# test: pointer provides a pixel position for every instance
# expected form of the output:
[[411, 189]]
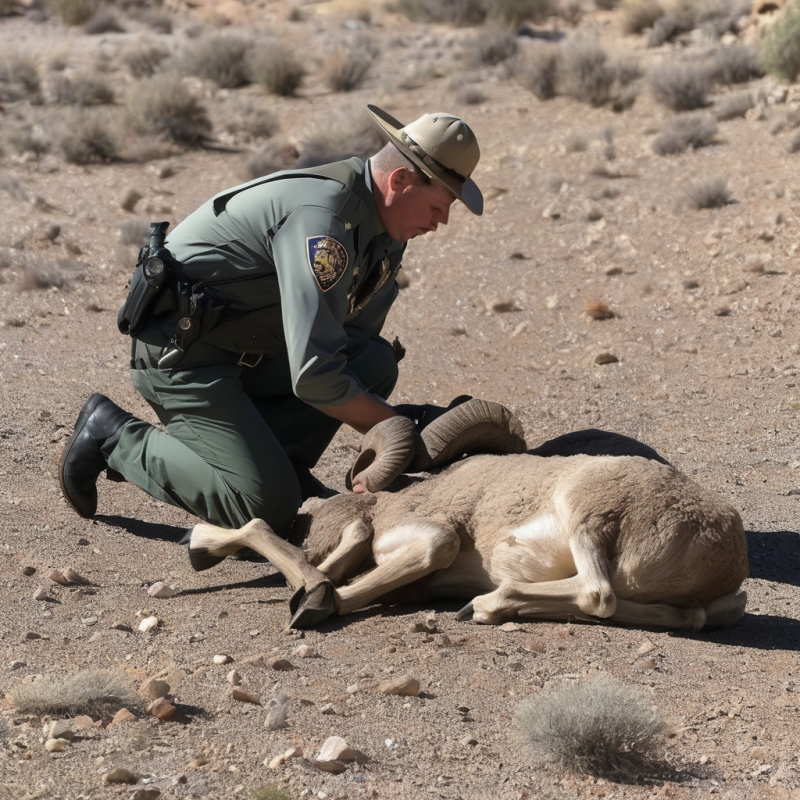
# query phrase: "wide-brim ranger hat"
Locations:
[[443, 147]]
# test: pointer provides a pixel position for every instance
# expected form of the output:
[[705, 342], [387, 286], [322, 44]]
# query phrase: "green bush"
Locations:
[[74, 12], [162, 106], [277, 70], [779, 48], [599, 727], [220, 59]]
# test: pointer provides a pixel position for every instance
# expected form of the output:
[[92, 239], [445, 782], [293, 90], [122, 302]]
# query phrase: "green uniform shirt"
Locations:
[[299, 255]]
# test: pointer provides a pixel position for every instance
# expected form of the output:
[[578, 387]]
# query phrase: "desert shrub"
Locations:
[[709, 193], [347, 69], [683, 132], [681, 86], [252, 119], [19, 78], [538, 69], [220, 59], [157, 19], [514, 12], [341, 139], [60, 274], [89, 138], [83, 90], [277, 70], [668, 28], [272, 158], [794, 144], [788, 122], [74, 12], [736, 63], [492, 46], [163, 106], [779, 48], [104, 21], [584, 72], [90, 692], [638, 15], [606, 5], [597, 727], [734, 105], [454, 12], [27, 138], [134, 232], [145, 60]]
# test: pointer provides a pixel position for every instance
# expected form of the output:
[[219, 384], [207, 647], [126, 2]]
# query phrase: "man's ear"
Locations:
[[399, 179]]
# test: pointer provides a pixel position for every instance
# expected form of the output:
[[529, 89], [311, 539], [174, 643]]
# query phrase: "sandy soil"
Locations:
[[706, 338]]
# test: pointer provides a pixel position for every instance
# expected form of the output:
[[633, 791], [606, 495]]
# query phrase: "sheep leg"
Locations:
[[659, 615], [348, 555], [403, 554]]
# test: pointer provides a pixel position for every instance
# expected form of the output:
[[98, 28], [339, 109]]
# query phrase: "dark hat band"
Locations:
[[428, 160]]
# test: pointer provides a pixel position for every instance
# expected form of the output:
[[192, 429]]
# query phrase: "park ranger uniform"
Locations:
[[304, 274]]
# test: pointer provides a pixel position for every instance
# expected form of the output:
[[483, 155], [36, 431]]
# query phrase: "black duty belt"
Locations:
[[250, 359]]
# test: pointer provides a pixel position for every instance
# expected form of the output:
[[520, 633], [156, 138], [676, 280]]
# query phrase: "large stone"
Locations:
[[403, 685], [153, 688], [161, 708], [336, 749], [120, 775], [56, 745], [58, 729], [160, 589], [244, 697], [123, 715]]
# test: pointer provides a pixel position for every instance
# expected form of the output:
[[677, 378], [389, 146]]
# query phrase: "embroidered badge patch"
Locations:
[[327, 259]]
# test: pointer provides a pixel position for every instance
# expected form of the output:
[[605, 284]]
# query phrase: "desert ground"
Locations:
[[593, 293]]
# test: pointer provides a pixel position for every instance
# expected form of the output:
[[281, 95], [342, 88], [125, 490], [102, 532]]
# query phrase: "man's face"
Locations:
[[414, 207]]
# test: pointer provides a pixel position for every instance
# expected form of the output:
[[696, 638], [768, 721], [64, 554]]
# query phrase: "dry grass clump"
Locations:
[[155, 18], [82, 90], [794, 145], [27, 137], [92, 692], [273, 157], [89, 137], [638, 15], [348, 68], [733, 106], [779, 48], [736, 63], [277, 70], [709, 193], [492, 46], [252, 120], [104, 21], [58, 274], [514, 12], [681, 86], [220, 59], [163, 106], [470, 96], [453, 12], [596, 727], [74, 12], [270, 791], [342, 138], [681, 133], [19, 78], [668, 28], [145, 60], [539, 70]]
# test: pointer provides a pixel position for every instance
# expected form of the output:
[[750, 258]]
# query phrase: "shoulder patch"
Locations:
[[328, 260]]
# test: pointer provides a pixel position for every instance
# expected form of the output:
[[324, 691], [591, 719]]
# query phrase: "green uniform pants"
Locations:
[[232, 432]]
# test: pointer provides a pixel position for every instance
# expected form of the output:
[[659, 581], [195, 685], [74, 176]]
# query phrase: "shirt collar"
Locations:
[[375, 223]]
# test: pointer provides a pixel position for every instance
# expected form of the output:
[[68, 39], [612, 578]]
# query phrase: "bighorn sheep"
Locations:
[[627, 539]]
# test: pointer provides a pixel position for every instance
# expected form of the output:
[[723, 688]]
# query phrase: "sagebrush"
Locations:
[[90, 692], [779, 48]]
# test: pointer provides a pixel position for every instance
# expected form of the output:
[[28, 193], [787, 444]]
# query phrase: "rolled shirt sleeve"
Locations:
[[314, 308]]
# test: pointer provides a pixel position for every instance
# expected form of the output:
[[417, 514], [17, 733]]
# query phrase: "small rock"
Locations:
[[280, 664], [646, 664], [132, 197], [606, 358], [31, 636], [153, 688], [646, 647], [75, 578], [327, 709], [28, 571], [510, 627], [354, 688], [161, 708], [306, 651], [123, 715], [222, 659], [253, 661], [58, 729], [42, 594], [198, 762], [403, 685], [336, 749], [244, 697], [160, 589], [277, 709], [149, 624], [467, 741], [56, 745], [233, 677], [422, 627], [275, 763], [83, 542], [17, 665], [84, 721], [120, 775], [149, 793], [121, 626], [89, 621], [293, 752]]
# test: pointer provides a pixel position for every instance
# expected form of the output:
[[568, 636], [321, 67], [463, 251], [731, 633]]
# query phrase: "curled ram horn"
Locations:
[[476, 426], [386, 452]]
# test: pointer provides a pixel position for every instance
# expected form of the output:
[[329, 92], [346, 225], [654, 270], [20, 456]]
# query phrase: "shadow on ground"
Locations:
[[774, 556]]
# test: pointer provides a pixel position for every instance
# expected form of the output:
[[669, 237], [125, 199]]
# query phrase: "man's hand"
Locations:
[[362, 412], [423, 415]]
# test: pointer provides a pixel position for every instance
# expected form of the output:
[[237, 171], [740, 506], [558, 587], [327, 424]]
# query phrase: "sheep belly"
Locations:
[[534, 552]]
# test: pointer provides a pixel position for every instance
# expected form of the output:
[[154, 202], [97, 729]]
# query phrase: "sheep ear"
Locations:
[[477, 426], [386, 451]]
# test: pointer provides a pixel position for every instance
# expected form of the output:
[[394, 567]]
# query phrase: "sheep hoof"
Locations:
[[201, 558], [465, 613], [311, 608]]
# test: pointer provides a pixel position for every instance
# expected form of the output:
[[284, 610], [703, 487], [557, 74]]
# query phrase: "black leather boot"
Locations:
[[96, 434]]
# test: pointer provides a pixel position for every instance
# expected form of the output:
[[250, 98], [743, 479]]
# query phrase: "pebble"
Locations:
[[467, 741], [510, 627], [160, 589], [222, 659], [327, 709], [153, 688], [75, 578], [161, 708], [42, 593], [17, 665], [58, 729], [646, 664], [254, 661], [56, 745], [336, 749], [305, 651], [234, 678], [280, 664], [123, 715], [244, 697], [30, 636], [606, 358], [403, 685], [148, 624], [83, 542], [150, 793], [120, 775], [28, 571], [89, 621], [646, 647]]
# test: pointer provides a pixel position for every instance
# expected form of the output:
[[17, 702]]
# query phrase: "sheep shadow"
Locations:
[[774, 556]]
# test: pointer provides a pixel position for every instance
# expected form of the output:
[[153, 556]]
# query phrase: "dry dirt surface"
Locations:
[[581, 215]]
